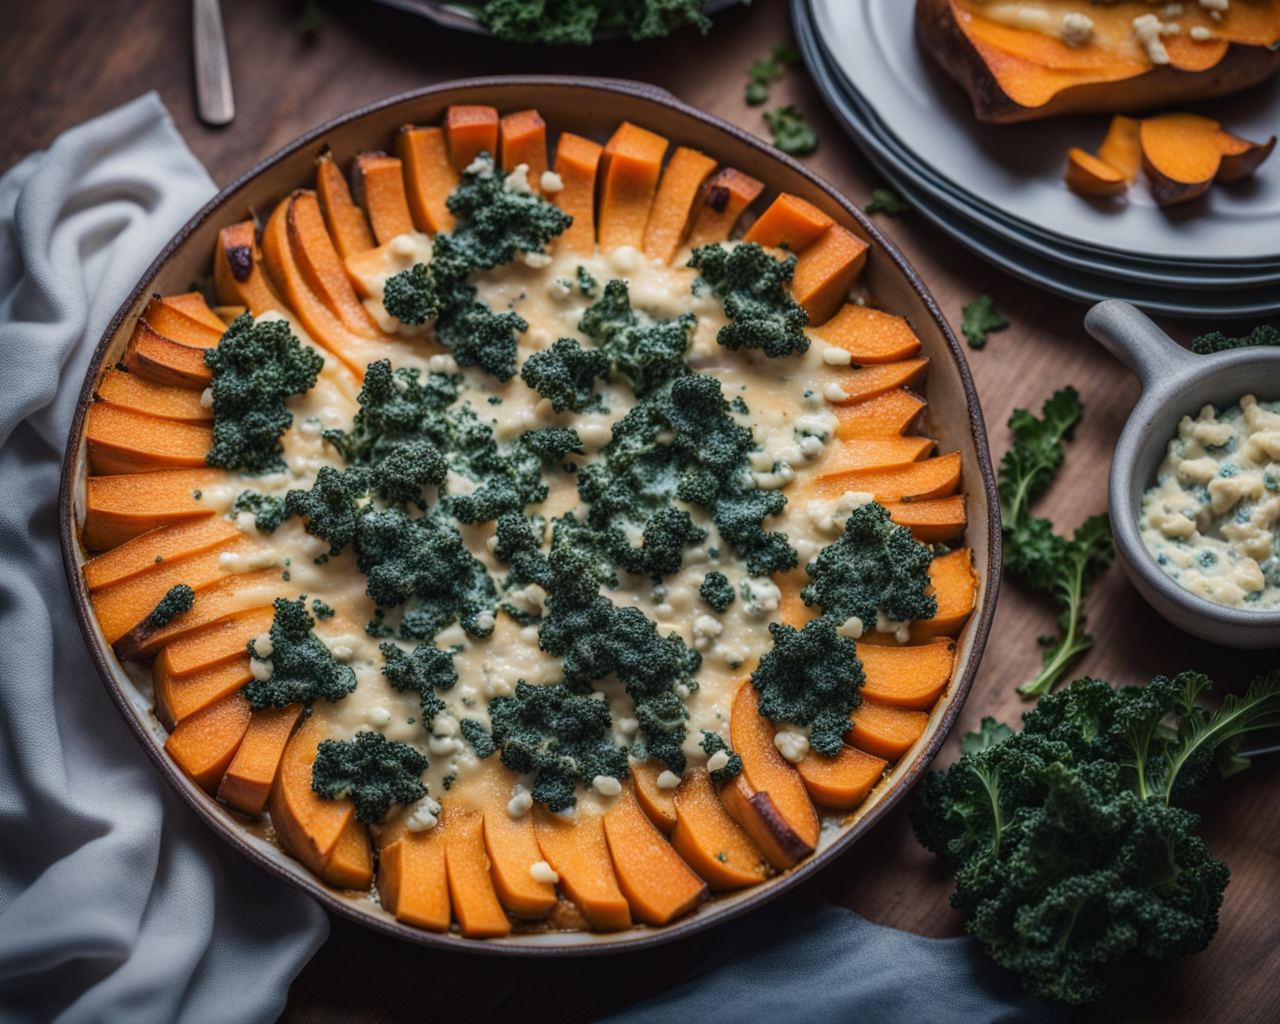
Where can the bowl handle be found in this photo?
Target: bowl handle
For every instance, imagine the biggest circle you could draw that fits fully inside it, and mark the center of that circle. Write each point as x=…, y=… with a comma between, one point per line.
x=1132, y=337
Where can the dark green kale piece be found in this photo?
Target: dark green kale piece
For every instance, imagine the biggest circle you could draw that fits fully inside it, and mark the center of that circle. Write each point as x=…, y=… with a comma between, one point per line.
x=302, y=669
x=575, y=21
x=565, y=374
x=740, y=517
x=423, y=670
x=874, y=567
x=717, y=591
x=514, y=480
x=397, y=407
x=649, y=354
x=1216, y=341
x=331, y=507
x=373, y=771
x=256, y=366
x=401, y=476
x=179, y=599
x=473, y=732
x=587, y=284
x=564, y=736
x=886, y=201
x=790, y=133
x=712, y=743
x=321, y=610
x=811, y=677
x=753, y=287
x=519, y=544
x=267, y=510
x=979, y=319
x=1069, y=839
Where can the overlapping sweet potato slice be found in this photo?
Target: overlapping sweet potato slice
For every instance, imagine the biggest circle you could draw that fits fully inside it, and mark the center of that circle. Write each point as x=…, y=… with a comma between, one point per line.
x=870, y=381
x=887, y=415
x=413, y=882
x=176, y=322
x=378, y=181
x=826, y=270
x=884, y=730
x=180, y=696
x=522, y=139
x=842, y=781
x=869, y=335
x=578, y=852
x=577, y=163
x=724, y=197
x=659, y=805
x=144, y=553
x=955, y=587
x=217, y=644
x=512, y=845
x=204, y=743
x=907, y=677
x=123, y=441
x=248, y=780
x=630, y=165
x=193, y=304
x=917, y=481
x=151, y=355
x=931, y=522
x=238, y=277
x=874, y=453
x=789, y=221
x=470, y=131
x=121, y=507
x=429, y=178
x=658, y=885
x=125, y=390
x=321, y=267
x=673, y=206
x=475, y=904
x=710, y=841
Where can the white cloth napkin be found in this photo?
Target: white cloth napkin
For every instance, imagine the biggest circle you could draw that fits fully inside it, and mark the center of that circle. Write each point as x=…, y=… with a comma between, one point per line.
x=116, y=902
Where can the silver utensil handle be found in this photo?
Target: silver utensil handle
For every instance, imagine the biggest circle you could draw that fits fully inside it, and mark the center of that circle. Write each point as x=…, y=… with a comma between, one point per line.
x=214, y=98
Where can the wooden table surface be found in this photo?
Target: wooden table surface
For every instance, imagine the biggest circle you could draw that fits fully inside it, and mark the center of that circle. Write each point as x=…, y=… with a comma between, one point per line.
x=62, y=61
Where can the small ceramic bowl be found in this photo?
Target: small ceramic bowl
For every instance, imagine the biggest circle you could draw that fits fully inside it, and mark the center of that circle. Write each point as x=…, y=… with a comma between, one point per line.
x=1175, y=383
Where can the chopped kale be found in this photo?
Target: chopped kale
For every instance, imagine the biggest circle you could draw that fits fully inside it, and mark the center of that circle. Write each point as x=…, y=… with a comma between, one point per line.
x=321, y=610
x=717, y=591
x=575, y=21
x=887, y=202
x=1217, y=341
x=790, y=133
x=373, y=771
x=713, y=743
x=268, y=511
x=587, y=284
x=565, y=374
x=753, y=287
x=514, y=480
x=649, y=354
x=256, y=366
x=473, y=732
x=424, y=670
x=979, y=319
x=397, y=407
x=739, y=406
x=302, y=668
x=331, y=507
x=401, y=475
x=179, y=599
x=519, y=544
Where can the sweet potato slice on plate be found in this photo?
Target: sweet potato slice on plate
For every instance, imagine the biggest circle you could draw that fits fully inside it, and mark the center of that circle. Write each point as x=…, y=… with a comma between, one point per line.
x=789, y=221
x=378, y=181
x=522, y=139
x=512, y=845
x=658, y=885
x=238, y=277
x=659, y=805
x=578, y=852
x=841, y=781
x=630, y=166
x=470, y=131
x=885, y=731
x=247, y=783
x=429, y=179
x=348, y=226
x=577, y=162
x=711, y=842
x=475, y=904
x=673, y=206
x=870, y=336
x=723, y=198
x=180, y=696
x=907, y=677
x=1087, y=175
x=203, y=744
x=413, y=882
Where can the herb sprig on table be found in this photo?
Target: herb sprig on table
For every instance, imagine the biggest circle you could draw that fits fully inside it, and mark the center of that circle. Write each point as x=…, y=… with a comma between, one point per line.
x=765, y=70
x=1062, y=567
x=790, y=133
x=980, y=319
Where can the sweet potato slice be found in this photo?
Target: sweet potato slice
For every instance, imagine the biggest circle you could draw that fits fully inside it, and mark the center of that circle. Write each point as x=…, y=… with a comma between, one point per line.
x=768, y=799
x=193, y=304
x=379, y=189
x=1184, y=153
x=869, y=335
x=429, y=179
x=789, y=221
x=307, y=825
x=350, y=865
x=630, y=165
x=512, y=846
x=123, y=441
x=203, y=744
x=413, y=883
x=723, y=198
x=826, y=270
x=176, y=325
x=659, y=805
x=470, y=131
x=522, y=139
x=916, y=481
x=577, y=160
x=475, y=904
x=151, y=355
x=144, y=553
x=841, y=782
x=119, y=508
x=955, y=587
x=907, y=677
x=215, y=603
x=870, y=381
x=1087, y=175
x=247, y=783
x=1240, y=157
x=885, y=731
x=238, y=277
x=214, y=645
x=126, y=390
x=874, y=453
x=710, y=841
x=658, y=885
x=931, y=522
x=348, y=226
x=673, y=206
x=887, y=415
x=179, y=697
x=323, y=271
x=578, y=852
x=1122, y=148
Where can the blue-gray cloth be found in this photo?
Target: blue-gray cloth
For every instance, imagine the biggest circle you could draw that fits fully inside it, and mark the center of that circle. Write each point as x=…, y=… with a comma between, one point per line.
x=795, y=962
x=116, y=902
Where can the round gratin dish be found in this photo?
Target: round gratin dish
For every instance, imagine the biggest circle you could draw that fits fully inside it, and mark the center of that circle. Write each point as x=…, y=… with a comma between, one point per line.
x=591, y=109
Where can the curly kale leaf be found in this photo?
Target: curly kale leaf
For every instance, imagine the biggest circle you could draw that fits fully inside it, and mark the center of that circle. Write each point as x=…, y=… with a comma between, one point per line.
x=875, y=567
x=790, y=132
x=412, y=295
x=648, y=354
x=514, y=480
x=713, y=743
x=574, y=21
x=811, y=677
x=256, y=366
x=268, y=511
x=373, y=771
x=1217, y=341
x=302, y=669
x=652, y=19
x=1038, y=450
x=753, y=287
x=473, y=732
x=565, y=737
x=397, y=407
x=496, y=220
x=740, y=516
x=401, y=475
x=565, y=374
x=423, y=670
x=519, y=544
x=179, y=599
x=717, y=591
x=331, y=507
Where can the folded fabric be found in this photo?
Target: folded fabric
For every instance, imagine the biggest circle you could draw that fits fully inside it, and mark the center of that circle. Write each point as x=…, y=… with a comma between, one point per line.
x=116, y=902
x=795, y=962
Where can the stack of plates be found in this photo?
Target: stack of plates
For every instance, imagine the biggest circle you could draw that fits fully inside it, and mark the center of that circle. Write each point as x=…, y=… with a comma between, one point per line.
x=998, y=189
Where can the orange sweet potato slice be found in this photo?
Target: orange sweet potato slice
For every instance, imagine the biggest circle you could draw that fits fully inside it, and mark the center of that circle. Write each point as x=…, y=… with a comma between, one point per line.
x=887, y=415
x=1184, y=153
x=870, y=381
x=126, y=390
x=144, y=553
x=203, y=744
x=123, y=441
x=885, y=731
x=238, y=277
x=512, y=846
x=1088, y=175
x=876, y=453
x=214, y=645
x=471, y=130
x=247, y=783
x=179, y=697
x=307, y=825
x=177, y=325
x=577, y=160
x=350, y=865
x=348, y=226
x=119, y=508
x=843, y=781
x=711, y=842
x=907, y=677
x=151, y=355
x=378, y=181
x=1122, y=148
x=429, y=179
x=673, y=205
x=193, y=304
x=955, y=587
x=316, y=257
x=931, y=522
x=869, y=335
x=789, y=221
x=413, y=882
x=724, y=197
x=917, y=481
x=522, y=139
x=659, y=805
x=768, y=799
x=630, y=165
x=475, y=904
x=658, y=885
x=826, y=270
x=578, y=852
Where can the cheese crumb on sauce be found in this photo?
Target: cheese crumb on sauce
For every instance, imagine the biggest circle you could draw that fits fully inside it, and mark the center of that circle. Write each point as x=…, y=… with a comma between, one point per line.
x=1211, y=520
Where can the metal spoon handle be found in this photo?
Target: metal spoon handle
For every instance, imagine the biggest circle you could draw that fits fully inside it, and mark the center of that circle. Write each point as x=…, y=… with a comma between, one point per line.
x=1131, y=336
x=214, y=99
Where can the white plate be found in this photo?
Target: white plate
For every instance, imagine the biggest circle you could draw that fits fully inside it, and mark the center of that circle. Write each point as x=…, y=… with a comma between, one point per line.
x=1018, y=168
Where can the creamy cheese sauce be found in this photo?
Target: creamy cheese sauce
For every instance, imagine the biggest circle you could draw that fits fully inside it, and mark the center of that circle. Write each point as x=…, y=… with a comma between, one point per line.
x=1210, y=520
x=791, y=424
